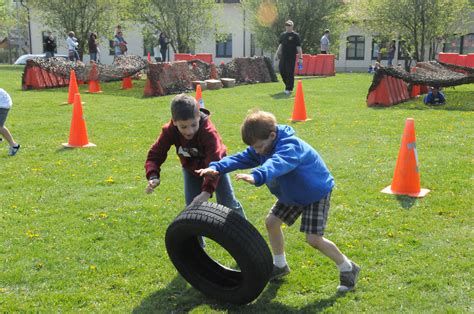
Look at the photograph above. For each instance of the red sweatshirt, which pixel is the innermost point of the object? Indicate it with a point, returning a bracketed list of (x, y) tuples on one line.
[(194, 154)]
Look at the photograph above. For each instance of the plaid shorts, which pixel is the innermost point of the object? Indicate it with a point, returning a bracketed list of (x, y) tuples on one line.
[(314, 218)]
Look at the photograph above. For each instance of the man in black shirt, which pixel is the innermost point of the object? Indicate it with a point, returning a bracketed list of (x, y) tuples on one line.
[(50, 45), (290, 44)]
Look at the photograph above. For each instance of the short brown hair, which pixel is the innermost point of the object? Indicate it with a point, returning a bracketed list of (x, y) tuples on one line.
[(184, 107), (257, 126)]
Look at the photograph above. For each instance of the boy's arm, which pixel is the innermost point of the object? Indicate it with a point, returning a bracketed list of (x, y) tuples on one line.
[(157, 154), (285, 159), (244, 160)]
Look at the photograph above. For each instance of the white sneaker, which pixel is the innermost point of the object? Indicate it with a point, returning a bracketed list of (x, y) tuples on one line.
[(287, 92), (13, 150)]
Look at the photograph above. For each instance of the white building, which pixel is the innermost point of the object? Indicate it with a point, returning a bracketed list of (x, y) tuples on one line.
[(357, 49)]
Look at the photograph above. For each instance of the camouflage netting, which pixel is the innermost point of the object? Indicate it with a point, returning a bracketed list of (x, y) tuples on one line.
[(177, 77), (122, 66), (430, 73)]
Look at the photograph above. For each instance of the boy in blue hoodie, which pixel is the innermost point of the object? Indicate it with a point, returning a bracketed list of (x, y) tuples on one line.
[(295, 173)]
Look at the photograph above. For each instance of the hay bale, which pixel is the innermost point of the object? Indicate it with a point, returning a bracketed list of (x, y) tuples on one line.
[(202, 83), (228, 82), (213, 84)]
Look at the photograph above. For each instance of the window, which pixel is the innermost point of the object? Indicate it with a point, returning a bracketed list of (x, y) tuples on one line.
[(355, 48), (468, 43), (452, 44), (379, 46), (224, 48)]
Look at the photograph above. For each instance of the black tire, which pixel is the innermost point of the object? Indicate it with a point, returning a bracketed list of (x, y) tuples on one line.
[(236, 235)]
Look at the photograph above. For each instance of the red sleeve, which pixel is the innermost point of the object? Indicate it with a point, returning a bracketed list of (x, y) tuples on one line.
[(159, 151), (215, 151)]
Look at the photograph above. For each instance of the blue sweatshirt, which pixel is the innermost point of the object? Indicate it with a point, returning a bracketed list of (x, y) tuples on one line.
[(293, 171)]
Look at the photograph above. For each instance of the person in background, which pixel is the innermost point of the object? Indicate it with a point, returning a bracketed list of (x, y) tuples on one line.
[(50, 45), (325, 42), (120, 44), (434, 97), (5, 106), (72, 45), (93, 47), (391, 53), (289, 46), (164, 41)]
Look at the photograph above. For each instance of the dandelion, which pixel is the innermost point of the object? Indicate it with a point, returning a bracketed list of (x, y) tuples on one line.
[(103, 216), (92, 267), (32, 234), (109, 180)]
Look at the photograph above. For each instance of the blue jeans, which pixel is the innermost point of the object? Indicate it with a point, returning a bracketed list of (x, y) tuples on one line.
[(224, 192), (93, 56)]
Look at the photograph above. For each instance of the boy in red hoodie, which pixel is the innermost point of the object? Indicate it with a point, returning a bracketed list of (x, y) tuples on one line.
[(197, 144)]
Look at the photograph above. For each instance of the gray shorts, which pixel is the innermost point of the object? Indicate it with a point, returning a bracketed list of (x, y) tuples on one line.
[(314, 216), (3, 116)]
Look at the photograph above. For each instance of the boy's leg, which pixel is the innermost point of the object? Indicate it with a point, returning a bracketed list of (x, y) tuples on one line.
[(277, 242), (313, 223), (225, 195), (8, 136), (192, 186)]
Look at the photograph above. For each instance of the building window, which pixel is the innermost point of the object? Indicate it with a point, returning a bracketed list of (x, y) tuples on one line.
[(468, 43), (355, 48), (452, 44), (224, 48), (379, 49)]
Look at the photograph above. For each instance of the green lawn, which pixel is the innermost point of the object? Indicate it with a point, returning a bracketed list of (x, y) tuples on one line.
[(78, 233)]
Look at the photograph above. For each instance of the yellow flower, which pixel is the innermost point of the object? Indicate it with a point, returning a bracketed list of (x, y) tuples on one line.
[(109, 180)]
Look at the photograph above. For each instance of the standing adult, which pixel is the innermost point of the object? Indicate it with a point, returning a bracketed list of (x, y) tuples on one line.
[(325, 42), (120, 44), (93, 46), (391, 53), (289, 45), (72, 45), (50, 45), (164, 41)]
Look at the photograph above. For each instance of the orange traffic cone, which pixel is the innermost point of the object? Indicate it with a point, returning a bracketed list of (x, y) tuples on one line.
[(127, 82), (73, 88), (415, 91), (78, 131), (199, 96), (299, 109), (406, 178), (213, 71), (94, 86)]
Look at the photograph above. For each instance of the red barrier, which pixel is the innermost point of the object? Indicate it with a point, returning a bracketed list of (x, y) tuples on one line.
[(312, 65), (461, 60), (206, 57), (448, 57), (390, 91), (470, 60)]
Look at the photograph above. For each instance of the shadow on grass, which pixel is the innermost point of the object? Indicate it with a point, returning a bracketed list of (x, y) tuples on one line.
[(178, 296), (406, 201), (280, 96)]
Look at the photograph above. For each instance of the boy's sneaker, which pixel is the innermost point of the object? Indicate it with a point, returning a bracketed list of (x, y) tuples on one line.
[(13, 150), (287, 92), (348, 278), (279, 272)]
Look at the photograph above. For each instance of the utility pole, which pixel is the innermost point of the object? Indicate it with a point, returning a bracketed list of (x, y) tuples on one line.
[(29, 25)]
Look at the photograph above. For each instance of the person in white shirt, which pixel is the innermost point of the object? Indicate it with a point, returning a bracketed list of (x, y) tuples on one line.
[(325, 42), (72, 45), (5, 105)]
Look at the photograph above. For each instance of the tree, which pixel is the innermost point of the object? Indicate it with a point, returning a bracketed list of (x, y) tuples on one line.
[(14, 27), (311, 18), (417, 23), (185, 22), (80, 16)]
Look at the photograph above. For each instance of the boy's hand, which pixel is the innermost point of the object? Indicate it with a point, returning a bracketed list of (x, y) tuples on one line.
[(201, 198), (207, 172), (245, 177), (152, 184)]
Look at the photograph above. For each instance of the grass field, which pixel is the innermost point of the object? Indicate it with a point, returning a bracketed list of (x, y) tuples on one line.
[(78, 233)]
